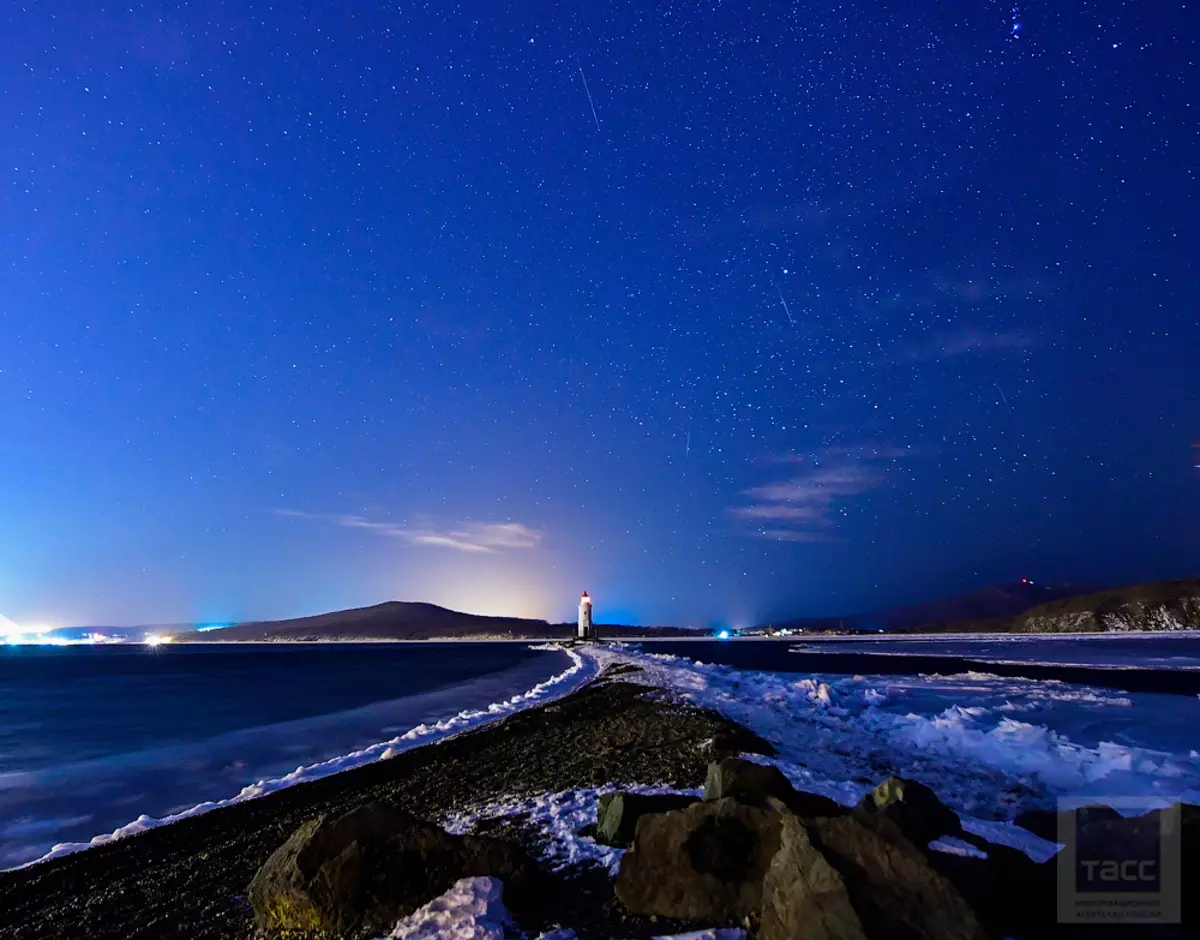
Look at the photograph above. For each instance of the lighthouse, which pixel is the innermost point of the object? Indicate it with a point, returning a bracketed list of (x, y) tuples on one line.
[(586, 630)]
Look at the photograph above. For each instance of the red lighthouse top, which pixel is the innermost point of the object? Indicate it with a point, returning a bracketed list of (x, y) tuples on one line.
[(585, 599)]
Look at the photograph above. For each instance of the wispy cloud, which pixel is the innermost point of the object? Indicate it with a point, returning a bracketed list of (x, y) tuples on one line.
[(479, 537), (967, 340), (800, 508)]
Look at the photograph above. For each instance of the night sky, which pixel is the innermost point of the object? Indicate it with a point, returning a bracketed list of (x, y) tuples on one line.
[(721, 311)]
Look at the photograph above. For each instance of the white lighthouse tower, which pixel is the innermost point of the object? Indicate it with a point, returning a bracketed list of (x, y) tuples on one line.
[(586, 630)]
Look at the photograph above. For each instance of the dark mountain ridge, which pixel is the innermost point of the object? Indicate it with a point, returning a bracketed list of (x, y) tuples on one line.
[(1156, 606), (391, 620), (407, 620), (986, 603)]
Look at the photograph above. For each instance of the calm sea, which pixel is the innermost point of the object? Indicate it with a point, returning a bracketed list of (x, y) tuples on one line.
[(92, 737)]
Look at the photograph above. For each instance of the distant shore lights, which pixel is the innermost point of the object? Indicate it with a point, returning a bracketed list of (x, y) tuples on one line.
[(586, 631)]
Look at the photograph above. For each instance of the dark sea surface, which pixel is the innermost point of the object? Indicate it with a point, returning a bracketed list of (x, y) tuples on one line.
[(1142, 662), (91, 736)]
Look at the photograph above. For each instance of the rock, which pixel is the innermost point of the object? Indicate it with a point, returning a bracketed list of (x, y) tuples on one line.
[(757, 783), (1044, 822), (730, 742), (707, 861), (749, 781), (894, 889), (1009, 892), (914, 808), (338, 876), (1041, 822), (803, 895), (618, 813)]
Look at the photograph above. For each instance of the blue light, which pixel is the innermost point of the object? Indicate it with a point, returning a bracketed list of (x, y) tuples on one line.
[(723, 635)]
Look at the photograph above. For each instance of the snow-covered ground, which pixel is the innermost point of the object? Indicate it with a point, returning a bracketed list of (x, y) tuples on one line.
[(985, 744), (578, 672)]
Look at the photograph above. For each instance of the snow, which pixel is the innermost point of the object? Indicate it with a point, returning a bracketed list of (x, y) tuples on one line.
[(558, 818), (987, 745), (714, 933), (955, 846), (580, 671), (472, 910)]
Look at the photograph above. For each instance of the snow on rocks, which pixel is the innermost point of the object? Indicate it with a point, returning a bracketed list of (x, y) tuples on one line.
[(954, 846), (559, 819), (714, 933), (472, 910), (838, 735)]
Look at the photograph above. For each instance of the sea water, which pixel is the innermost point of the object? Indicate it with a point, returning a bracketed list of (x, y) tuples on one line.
[(93, 737)]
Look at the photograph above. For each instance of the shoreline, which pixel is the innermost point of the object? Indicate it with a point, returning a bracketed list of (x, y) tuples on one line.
[(189, 878), (576, 675)]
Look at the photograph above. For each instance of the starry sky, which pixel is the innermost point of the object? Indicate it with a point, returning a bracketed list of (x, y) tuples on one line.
[(721, 311)]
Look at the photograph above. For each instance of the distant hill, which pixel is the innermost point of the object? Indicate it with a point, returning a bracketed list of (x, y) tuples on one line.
[(405, 620), (1154, 606), (393, 620), (998, 600)]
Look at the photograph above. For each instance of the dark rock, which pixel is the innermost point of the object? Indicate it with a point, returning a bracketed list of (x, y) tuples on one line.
[(366, 869), (732, 741), (914, 808), (1009, 892), (1044, 822), (734, 777), (758, 783), (1041, 822), (618, 813), (707, 862), (803, 895), (894, 889)]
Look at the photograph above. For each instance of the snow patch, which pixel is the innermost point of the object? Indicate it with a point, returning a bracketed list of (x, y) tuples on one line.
[(714, 933), (472, 910), (558, 819), (953, 846)]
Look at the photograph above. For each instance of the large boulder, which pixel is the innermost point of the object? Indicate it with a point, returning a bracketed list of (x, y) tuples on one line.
[(338, 876), (1009, 892), (803, 895), (706, 862), (913, 807), (618, 813), (893, 888), (758, 783)]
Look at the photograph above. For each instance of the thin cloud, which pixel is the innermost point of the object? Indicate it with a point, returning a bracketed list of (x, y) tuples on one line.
[(971, 341), (478, 537), (780, 511), (800, 508), (794, 535)]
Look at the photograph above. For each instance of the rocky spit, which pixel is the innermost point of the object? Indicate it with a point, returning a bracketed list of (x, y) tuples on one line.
[(347, 855)]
